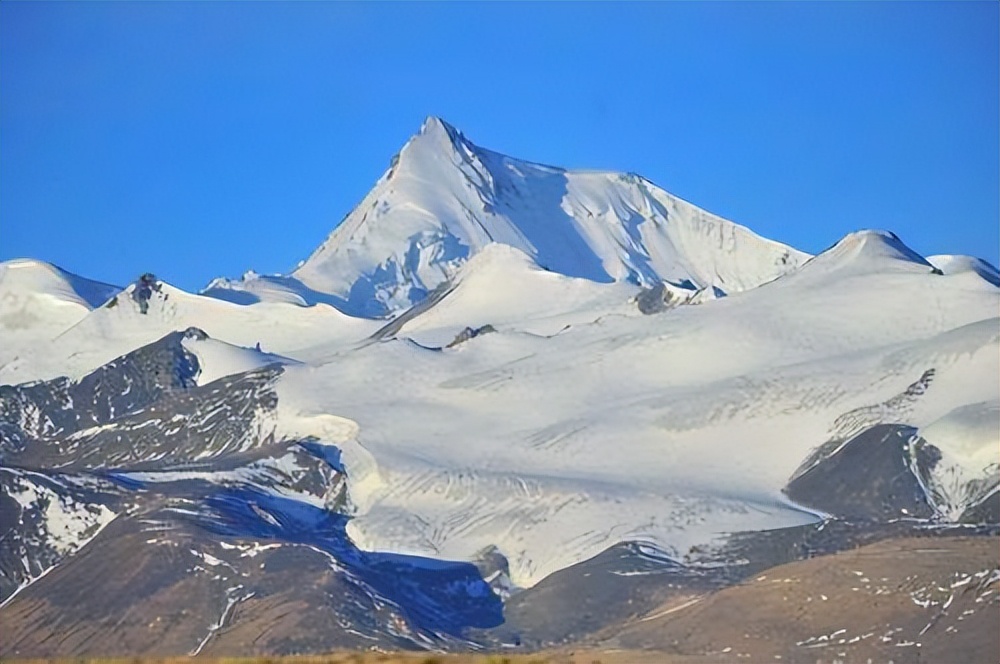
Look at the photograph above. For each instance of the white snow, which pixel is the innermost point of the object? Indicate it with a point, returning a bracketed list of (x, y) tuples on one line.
[(950, 264), (68, 524), (111, 331), (218, 358), (38, 301), (502, 287), (63, 524), (669, 428), (444, 199), (968, 438)]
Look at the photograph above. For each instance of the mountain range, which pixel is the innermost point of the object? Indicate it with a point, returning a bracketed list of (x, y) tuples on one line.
[(498, 392)]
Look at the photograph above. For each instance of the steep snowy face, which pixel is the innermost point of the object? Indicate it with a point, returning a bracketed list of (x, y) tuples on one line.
[(444, 199)]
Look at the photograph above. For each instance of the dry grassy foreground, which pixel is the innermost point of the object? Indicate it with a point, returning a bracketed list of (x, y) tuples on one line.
[(926, 600)]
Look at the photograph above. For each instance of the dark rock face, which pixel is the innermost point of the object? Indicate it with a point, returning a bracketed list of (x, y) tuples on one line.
[(656, 300), (45, 517), (53, 513), (181, 427), (144, 287), (876, 467), (892, 411), (577, 602), (470, 333), (55, 408), (988, 511), (869, 477)]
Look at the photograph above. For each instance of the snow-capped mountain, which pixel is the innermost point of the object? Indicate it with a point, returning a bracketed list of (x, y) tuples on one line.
[(444, 199), (497, 389), (140, 314), (39, 300), (681, 421)]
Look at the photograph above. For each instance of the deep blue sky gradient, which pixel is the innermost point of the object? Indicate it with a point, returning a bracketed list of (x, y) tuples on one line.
[(204, 139)]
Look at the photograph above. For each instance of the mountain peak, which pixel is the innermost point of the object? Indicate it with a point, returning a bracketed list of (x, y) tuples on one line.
[(444, 199), (877, 243), (434, 125), (30, 276), (869, 251), (435, 131), (433, 151)]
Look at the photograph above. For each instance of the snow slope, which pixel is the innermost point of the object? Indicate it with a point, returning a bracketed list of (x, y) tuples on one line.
[(503, 288), (39, 300), (671, 429), (951, 264), (444, 199), (218, 358), (968, 438), (252, 288), (120, 326)]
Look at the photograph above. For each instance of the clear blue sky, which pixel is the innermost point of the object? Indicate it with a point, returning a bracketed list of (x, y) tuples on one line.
[(204, 139)]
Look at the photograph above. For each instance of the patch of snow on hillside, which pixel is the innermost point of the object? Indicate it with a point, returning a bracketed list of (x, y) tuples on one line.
[(217, 358), (968, 438), (950, 264), (503, 288)]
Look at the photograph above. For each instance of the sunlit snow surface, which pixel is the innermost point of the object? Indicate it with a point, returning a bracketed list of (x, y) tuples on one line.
[(553, 442), (969, 469), (526, 404), (118, 327), (444, 199), (39, 300)]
